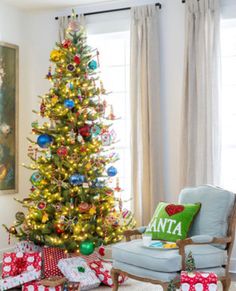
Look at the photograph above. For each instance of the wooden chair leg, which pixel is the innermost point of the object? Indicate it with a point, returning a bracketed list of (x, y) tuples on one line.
[(115, 276), (226, 284)]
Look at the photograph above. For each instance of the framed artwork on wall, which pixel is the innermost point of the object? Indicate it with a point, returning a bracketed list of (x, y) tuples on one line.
[(9, 91)]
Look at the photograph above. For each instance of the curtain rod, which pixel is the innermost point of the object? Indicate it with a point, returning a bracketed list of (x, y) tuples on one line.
[(184, 1), (107, 11)]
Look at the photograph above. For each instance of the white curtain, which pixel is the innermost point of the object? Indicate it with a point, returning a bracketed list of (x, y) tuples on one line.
[(63, 24), (200, 150), (146, 129)]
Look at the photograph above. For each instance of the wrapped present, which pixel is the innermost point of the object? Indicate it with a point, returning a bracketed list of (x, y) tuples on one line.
[(36, 286), (15, 281), (76, 270), (198, 281), (53, 281), (27, 246), (103, 272), (90, 258), (14, 264), (51, 257)]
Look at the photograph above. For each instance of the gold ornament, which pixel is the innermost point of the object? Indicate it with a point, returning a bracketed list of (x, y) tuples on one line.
[(55, 55), (45, 218), (92, 210)]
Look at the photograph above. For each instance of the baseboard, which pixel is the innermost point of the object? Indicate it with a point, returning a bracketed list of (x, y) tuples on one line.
[(232, 267)]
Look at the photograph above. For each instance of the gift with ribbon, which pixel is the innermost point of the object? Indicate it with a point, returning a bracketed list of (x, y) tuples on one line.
[(75, 269), (15, 264)]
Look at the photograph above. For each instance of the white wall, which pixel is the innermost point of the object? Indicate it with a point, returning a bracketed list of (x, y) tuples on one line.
[(12, 30)]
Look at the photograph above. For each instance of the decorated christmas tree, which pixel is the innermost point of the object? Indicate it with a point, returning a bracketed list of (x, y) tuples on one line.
[(72, 204)]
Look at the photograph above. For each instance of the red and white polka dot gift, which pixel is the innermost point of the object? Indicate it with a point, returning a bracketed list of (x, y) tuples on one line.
[(51, 257), (36, 286), (103, 272), (17, 263), (198, 281)]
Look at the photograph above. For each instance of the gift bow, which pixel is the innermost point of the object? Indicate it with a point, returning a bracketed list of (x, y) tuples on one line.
[(20, 266), (81, 269)]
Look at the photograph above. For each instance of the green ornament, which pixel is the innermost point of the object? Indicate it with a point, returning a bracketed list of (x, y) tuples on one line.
[(81, 269), (86, 247)]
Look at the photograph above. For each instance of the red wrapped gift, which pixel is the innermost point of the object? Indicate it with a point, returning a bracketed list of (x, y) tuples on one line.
[(36, 286), (16, 263), (103, 272), (51, 257), (198, 281)]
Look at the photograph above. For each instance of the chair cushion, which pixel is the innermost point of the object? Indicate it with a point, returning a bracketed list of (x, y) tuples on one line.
[(172, 221), (160, 276), (216, 206), (133, 253)]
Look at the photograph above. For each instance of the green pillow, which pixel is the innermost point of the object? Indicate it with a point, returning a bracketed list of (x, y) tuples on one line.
[(172, 221)]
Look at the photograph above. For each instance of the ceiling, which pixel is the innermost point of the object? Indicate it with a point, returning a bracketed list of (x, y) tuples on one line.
[(51, 4)]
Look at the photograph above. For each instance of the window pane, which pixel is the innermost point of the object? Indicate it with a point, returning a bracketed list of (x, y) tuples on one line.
[(114, 57)]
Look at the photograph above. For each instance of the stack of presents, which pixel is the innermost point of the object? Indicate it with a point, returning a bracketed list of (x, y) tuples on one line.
[(51, 269)]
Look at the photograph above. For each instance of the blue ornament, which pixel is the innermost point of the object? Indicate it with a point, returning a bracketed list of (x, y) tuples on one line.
[(111, 171), (70, 86), (93, 65), (76, 179), (69, 103), (36, 178), (44, 140)]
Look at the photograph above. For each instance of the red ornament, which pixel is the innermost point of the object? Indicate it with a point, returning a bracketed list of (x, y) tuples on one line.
[(101, 251), (32, 189), (173, 209), (83, 149), (84, 207), (42, 109), (62, 151), (59, 227), (77, 59), (66, 43), (41, 205), (85, 131), (109, 192)]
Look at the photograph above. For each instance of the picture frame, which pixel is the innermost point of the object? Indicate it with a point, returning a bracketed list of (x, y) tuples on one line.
[(9, 106)]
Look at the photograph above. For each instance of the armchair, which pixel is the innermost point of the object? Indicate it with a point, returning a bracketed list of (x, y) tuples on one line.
[(210, 239)]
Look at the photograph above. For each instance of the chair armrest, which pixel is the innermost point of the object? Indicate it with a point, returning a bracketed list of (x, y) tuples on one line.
[(131, 232), (199, 240), (203, 239)]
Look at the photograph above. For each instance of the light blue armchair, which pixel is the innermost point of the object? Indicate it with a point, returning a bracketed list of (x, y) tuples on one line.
[(211, 240)]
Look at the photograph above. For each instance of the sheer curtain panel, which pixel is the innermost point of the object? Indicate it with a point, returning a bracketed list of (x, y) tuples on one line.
[(146, 129)]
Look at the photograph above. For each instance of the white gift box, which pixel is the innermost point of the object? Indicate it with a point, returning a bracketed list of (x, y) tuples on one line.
[(69, 268), (26, 247), (11, 282)]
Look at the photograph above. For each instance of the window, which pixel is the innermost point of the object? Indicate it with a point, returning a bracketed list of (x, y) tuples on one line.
[(114, 49), (228, 106)]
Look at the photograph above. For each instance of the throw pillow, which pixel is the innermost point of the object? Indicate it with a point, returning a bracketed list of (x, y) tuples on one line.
[(171, 222)]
